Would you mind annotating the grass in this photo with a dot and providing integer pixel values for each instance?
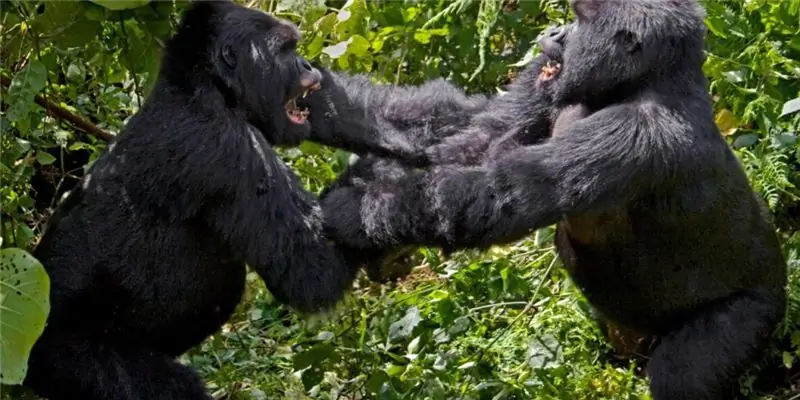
(506, 324)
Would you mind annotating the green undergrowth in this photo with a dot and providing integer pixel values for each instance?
(505, 324)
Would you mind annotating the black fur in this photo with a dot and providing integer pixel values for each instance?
(525, 118)
(392, 122)
(656, 220)
(397, 128)
(147, 255)
(390, 127)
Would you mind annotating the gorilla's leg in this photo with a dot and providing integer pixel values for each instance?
(72, 366)
(703, 359)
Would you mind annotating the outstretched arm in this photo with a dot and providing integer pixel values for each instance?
(596, 163)
(524, 111)
(523, 116)
(269, 221)
(398, 122)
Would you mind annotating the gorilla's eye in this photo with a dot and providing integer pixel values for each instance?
(228, 56)
(288, 45)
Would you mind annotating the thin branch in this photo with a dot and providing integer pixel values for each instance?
(65, 115)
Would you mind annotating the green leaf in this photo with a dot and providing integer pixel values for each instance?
(337, 50)
(75, 73)
(717, 26)
(745, 140)
(19, 147)
(788, 359)
(351, 17)
(160, 28)
(396, 370)
(388, 392)
(403, 328)
(314, 355)
(312, 376)
(424, 35)
(79, 33)
(325, 25)
(66, 23)
(786, 139)
(24, 306)
(23, 235)
(45, 158)
(358, 46)
(25, 85)
(376, 381)
(791, 107)
(95, 12)
(734, 76)
(54, 17)
(117, 5)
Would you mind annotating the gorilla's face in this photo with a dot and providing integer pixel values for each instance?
(257, 58)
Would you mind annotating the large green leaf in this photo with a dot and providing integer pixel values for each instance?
(24, 306)
(121, 4)
(404, 326)
(791, 107)
(24, 86)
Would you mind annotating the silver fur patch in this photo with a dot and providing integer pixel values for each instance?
(375, 207)
(257, 147)
(256, 53)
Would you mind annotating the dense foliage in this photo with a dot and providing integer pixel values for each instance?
(506, 323)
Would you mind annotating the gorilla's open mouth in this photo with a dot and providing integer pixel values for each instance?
(297, 114)
(549, 70)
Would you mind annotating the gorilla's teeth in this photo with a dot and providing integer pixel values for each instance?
(305, 93)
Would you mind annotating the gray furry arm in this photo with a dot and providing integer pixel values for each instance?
(399, 122)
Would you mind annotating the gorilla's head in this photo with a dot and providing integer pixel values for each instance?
(249, 56)
(616, 45)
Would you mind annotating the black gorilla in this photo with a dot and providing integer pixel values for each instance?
(397, 128)
(147, 256)
(656, 220)
(487, 139)
(390, 127)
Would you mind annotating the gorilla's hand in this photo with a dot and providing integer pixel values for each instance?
(500, 118)
(343, 219)
(466, 148)
(349, 112)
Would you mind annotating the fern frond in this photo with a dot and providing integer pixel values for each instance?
(792, 319)
(769, 174)
(456, 7)
(487, 16)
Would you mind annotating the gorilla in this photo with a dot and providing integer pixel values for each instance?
(396, 128)
(147, 255)
(656, 221)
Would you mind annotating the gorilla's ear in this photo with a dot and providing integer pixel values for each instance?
(628, 41)
(228, 56)
(587, 9)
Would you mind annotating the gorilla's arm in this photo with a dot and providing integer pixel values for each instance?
(352, 113)
(522, 117)
(276, 227)
(524, 111)
(526, 189)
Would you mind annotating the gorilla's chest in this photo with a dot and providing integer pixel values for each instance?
(592, 243)
(605, 261)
